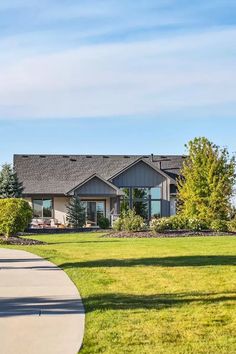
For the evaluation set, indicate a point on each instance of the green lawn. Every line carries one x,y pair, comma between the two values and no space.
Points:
151,295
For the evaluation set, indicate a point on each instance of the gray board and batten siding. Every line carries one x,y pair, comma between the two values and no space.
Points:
95,186
142,175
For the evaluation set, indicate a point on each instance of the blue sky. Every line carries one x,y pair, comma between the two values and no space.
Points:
116,76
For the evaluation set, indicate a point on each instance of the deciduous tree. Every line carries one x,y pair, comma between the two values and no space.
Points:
206,188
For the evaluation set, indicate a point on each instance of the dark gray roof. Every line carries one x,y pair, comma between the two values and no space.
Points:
57,174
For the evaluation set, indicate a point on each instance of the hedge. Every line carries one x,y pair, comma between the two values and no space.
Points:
15,216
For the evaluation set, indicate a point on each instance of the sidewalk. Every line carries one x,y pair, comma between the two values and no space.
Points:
40,308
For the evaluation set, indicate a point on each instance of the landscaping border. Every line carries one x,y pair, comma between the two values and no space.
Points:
167,234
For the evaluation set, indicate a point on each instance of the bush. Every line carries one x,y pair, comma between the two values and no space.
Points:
15,216
219,225
198,224
176,222
232,225
118,224
161,224
129,221
103,222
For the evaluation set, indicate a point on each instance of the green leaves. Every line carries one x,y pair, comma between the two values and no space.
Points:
75,212
208,180
15,216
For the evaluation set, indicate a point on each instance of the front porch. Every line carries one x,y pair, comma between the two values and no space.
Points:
50,211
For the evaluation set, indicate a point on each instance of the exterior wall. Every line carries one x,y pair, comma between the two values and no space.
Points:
59,207
165,208
139,175
95,187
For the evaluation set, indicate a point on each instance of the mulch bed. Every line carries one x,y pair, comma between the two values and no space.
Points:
166,234
16,240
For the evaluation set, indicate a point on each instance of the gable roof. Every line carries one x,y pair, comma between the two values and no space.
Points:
58,174
95,175
147,163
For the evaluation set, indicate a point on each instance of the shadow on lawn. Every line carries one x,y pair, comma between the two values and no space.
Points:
115,301
75,241
42,306
180,261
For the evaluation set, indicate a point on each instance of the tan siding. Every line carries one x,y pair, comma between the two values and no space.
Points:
59,204
29,201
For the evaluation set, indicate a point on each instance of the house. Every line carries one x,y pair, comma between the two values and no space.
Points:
105,184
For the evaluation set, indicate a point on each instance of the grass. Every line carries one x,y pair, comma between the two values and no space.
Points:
151,295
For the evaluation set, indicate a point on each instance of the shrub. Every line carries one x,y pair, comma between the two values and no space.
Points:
219,225
162,224
118,224
176,222
232,225
196,224
129,221
103,222
15,216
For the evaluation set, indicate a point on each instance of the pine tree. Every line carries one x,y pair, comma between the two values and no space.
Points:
207,185
10,187
76,212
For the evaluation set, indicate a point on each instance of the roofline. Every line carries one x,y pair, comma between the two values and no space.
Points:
90,154
147,163
118,191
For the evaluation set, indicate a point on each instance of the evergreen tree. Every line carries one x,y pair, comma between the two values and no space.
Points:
76,212
206,188
10,187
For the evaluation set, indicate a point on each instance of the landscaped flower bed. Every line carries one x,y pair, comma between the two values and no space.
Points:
167,233
16,240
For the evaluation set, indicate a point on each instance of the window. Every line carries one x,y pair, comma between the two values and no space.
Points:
42,208
125,199
94,210
140,193
155,208
155,193
142,208
141,201
145,201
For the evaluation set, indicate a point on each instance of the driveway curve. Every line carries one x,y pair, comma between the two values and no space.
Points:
41,311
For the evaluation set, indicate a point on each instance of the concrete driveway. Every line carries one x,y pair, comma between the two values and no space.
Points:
40,308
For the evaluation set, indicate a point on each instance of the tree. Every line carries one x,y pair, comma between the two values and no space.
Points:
76,212
206,188
10,187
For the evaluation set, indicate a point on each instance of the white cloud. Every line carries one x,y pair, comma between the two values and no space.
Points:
140,78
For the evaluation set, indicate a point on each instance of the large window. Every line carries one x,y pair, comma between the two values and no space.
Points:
145,201
125,200
140,201
42,208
